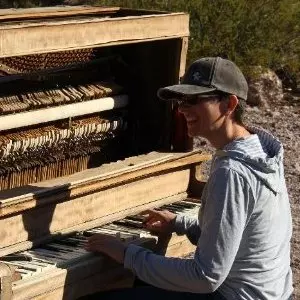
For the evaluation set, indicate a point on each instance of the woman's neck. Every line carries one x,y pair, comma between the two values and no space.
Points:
228,134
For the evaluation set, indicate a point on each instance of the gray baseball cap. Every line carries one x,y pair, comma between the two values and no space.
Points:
208,75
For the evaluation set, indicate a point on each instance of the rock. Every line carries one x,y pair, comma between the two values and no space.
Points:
264,87
297,168
273,114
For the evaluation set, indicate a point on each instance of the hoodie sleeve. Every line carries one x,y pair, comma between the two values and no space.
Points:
189,226
224,219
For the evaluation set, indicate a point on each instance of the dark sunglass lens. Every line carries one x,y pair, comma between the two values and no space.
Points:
192,101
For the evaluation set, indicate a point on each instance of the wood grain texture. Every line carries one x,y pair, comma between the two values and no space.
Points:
52,36
52,12
61,189
54,218
6,275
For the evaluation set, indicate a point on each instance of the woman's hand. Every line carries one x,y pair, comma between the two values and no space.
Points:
159,221
108,245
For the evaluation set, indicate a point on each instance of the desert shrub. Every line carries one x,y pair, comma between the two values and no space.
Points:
265,33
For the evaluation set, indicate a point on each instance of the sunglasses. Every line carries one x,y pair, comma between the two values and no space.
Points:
188,101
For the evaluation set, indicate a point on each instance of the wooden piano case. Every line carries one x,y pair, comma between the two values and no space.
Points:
64,51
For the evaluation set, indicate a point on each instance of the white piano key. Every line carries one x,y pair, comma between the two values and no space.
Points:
67,248
23,265
67,253
46,257
24,273
44,266
123,235
36,257
139,232
50,253
49,262
29,266
102,230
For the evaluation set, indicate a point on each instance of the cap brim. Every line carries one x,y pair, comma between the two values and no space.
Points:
174,91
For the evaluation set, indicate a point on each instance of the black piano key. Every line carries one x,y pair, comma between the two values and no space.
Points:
87,233
52,248
178,207
187,205
129,223
171,209
16,257
67,242
138,218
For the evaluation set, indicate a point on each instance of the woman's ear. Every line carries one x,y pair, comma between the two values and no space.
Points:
232,102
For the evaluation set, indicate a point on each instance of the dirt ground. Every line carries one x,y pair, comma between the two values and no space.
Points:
283,120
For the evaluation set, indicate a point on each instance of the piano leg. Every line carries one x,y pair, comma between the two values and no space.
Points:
6,277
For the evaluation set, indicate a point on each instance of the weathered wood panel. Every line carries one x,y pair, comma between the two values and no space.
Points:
45,37
54,218
60,189
56,11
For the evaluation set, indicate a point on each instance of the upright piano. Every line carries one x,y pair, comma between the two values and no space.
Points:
86,146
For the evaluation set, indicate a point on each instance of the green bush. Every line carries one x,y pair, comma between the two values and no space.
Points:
28,3
265,33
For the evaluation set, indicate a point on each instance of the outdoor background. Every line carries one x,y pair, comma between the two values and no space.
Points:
252,33
255,32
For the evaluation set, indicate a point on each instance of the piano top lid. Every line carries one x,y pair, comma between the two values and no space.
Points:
18,14
52,29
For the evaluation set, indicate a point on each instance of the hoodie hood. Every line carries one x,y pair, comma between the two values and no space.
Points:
261,153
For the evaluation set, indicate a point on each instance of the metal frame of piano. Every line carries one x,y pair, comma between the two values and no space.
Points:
156,44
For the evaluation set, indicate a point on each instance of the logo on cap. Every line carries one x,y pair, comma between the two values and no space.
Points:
196,76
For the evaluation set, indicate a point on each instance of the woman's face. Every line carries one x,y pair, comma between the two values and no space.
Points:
204,117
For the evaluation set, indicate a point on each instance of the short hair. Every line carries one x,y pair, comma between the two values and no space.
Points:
238,114
240,111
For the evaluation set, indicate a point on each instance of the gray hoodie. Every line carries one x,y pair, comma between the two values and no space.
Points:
242,233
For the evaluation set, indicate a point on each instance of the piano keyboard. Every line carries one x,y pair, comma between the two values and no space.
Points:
69,250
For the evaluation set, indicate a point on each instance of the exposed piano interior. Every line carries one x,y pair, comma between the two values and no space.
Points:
85,142
58,119
64,112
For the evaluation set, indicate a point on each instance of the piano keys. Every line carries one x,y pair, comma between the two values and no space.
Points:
49,262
